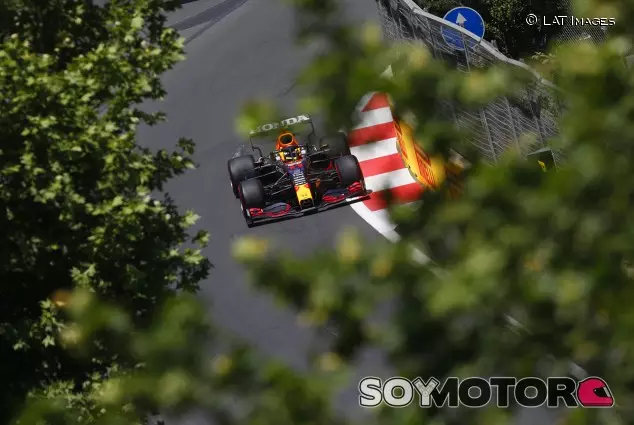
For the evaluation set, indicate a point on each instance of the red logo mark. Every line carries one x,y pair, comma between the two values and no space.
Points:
594,392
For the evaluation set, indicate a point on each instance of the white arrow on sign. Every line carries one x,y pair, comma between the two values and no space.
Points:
460,20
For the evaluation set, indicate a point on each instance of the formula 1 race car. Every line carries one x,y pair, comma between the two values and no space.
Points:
294,178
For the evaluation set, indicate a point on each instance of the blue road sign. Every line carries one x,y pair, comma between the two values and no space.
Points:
467,18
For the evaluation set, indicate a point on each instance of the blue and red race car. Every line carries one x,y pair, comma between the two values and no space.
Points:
295,178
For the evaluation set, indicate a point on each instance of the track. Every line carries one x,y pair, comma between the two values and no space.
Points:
248,53
239,50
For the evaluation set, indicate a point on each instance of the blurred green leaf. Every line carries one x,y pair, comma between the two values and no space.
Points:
100,322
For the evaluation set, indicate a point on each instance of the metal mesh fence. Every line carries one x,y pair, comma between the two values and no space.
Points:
500,125
571,33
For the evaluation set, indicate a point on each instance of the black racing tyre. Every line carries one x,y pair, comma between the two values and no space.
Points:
348,169
313,140
251,194
240,168
337,144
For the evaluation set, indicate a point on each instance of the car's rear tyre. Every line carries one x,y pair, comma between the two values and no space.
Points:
240,168
348,169
337,144
313,140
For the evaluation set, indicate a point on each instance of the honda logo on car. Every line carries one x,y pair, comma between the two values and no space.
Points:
478,392
284,123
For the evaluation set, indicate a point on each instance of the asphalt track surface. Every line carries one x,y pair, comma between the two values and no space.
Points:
238,50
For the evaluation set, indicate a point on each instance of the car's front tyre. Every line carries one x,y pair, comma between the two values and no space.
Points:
251,194
240,168
349,170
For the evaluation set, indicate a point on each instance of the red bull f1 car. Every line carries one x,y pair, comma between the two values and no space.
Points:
300,175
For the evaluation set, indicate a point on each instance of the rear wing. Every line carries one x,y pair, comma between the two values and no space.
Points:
288,122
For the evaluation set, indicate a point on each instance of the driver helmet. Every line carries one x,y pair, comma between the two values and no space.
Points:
286,140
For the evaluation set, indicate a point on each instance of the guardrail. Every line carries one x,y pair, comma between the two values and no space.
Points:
498,126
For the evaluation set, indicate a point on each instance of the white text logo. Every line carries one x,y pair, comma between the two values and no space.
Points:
478,392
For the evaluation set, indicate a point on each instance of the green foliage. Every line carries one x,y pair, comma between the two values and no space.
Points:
505,22
81,202
552,250
175,373
548,249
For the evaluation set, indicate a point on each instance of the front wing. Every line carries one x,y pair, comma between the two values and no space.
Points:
331,198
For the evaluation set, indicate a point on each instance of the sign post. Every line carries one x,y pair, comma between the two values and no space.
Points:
544,158
467,18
